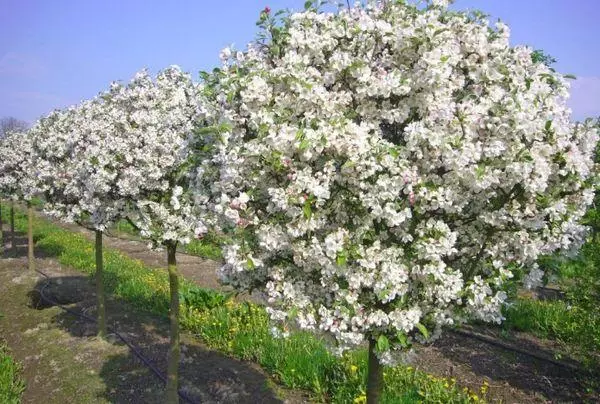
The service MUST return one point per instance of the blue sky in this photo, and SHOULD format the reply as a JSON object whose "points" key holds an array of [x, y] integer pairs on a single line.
{"points": [[57, 53]]}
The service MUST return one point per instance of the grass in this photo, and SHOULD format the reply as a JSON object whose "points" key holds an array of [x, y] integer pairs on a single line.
{"points": [[241, 330], [208, 247], [577, 328], [11, 383]]}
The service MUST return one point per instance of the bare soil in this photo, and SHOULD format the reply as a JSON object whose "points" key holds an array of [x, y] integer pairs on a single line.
{"points": [[512, 377]]}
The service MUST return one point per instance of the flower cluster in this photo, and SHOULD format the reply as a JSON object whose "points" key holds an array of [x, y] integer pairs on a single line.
{"points": [[386, 168], [18, 167]]}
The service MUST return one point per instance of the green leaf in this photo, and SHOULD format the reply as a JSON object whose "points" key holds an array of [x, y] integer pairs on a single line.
{"points": [[275, 33], [292, 314], [548, 125], [349, 164], [383, 344], [341, 258], [423, 330], [250, 263], [570, 76], [304, 144], [480, 171], [308, 4], [307, 209], [403, 340]]}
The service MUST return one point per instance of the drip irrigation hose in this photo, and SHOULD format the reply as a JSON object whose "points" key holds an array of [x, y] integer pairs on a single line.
{"points": [[147, 362], [500, 344]]}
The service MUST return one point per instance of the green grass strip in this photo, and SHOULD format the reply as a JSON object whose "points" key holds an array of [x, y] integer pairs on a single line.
{"points": [[574, 326], [242, 329], [12, 385]]}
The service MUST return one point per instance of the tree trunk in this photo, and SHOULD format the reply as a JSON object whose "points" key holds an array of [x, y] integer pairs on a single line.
{"points": [[30, 255], [101, 301], [375, 375], [1, 230], [12, 229], [174, 350]]}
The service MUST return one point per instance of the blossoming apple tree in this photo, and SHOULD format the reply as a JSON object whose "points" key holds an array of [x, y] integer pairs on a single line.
{"points": [[388, 168], [79, 172], [159, 119], [18, 181]]}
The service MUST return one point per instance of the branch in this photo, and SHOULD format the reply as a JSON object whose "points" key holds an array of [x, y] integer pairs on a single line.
{"points": [[84, 225], [132, 224]]}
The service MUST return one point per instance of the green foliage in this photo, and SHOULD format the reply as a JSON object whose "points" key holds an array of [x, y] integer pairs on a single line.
{"points": [[204, 298], [242, 330], [11, 383], [539, 56]]}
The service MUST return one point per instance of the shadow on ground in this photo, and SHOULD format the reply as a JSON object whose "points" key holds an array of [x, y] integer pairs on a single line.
{"points": [[205, 376], [20, 249], [508, 372]]}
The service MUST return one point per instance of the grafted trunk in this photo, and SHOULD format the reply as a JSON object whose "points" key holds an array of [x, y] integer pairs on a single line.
{"points": [[374, 376], [101, 301], [174, 349], [30, 254]]}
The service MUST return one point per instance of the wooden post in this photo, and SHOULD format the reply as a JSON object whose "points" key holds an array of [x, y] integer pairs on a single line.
{"points": [[100, 298], [374, 376], [174, 349], [30, 254]]}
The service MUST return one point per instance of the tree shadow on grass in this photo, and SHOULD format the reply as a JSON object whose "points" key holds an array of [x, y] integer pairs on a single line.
{"points": [[20, 249], [205, 376]]}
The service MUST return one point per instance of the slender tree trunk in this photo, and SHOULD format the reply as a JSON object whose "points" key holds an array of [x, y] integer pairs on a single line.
{"points": [[30, 255], [375, 375], [12, 228], [101, 301], [1, 230], [174, 349]]}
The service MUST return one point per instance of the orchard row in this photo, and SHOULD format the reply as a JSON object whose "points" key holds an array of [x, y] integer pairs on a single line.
{"points": [[382, 171]]}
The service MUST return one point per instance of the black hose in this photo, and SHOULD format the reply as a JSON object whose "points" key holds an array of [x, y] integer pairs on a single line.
{"points": [[500, 344], [132, 347]]}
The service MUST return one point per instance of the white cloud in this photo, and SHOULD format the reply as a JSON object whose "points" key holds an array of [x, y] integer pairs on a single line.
{"points": [[585, 97]]}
